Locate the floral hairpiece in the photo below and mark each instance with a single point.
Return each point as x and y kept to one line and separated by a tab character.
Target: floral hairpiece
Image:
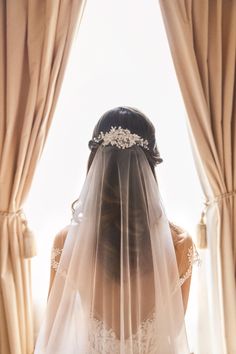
122	138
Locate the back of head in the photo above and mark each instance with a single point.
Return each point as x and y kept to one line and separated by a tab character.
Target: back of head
111	209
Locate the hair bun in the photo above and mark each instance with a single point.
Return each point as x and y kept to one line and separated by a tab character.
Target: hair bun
92	144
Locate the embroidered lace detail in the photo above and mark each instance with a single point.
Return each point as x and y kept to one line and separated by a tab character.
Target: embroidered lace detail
193	258
55	252
54	263
104	340
122	138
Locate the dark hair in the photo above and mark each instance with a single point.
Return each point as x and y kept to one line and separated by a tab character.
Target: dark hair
128	118
109	233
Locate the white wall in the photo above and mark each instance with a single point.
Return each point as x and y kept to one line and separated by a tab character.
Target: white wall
120	57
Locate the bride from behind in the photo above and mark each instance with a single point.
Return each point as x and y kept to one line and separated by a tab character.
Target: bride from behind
121	271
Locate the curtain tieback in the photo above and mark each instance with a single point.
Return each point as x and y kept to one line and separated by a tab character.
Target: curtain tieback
201	227
29	243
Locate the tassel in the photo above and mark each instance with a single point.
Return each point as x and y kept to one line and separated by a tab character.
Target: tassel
202	233
29	242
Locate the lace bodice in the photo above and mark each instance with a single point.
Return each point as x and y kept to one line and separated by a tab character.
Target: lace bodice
104	340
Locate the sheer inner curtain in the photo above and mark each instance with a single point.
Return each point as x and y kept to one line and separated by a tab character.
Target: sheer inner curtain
202	39
35	41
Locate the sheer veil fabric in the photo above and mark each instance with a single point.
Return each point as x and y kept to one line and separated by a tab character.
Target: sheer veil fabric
118	267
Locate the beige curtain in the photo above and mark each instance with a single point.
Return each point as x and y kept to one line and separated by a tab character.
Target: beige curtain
202	40
35	40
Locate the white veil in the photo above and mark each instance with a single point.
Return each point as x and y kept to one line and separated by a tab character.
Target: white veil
118	267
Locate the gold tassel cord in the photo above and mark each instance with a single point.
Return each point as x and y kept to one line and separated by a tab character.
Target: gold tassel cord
201	226
30	249
201	232
29	243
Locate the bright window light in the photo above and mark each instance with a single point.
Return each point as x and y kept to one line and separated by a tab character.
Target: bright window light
120	56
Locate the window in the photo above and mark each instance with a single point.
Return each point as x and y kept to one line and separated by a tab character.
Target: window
120	56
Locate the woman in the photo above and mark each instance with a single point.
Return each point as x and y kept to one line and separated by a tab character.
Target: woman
121	271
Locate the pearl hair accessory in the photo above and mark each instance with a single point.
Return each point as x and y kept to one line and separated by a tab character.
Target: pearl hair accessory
122	138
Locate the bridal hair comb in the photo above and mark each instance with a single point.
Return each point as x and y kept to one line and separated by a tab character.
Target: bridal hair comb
122	138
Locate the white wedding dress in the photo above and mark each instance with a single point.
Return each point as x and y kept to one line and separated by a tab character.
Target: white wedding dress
144	340
118	262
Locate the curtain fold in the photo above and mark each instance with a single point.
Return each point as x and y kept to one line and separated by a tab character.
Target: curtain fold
202	40
35	41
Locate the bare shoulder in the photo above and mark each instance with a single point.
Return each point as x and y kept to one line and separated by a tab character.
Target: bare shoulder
181	238
185	240
60	237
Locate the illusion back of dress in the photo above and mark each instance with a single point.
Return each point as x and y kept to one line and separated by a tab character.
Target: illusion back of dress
105	322
103	339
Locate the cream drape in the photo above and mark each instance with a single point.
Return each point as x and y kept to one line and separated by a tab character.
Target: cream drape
202	40
35	40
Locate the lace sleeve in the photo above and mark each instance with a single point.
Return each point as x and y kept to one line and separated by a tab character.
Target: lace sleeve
193	258
55	257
